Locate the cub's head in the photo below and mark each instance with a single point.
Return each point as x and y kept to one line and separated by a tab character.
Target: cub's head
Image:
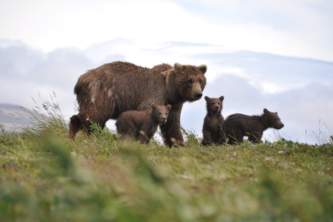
214	105
160	113
189	81
272	119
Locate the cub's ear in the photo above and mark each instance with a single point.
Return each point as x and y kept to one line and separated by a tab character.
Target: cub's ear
266	110
168	107
207	98
203	68
221	98
177	66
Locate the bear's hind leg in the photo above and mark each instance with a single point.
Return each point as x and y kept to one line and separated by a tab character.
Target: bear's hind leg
74	126
234	138
255	138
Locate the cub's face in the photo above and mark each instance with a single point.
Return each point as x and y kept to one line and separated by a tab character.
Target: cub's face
161	113
214	105
190	81
273	119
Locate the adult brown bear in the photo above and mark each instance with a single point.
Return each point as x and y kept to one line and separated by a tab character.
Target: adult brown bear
105	92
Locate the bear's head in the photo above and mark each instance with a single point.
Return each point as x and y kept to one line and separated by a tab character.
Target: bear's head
272	119
189	81
160	113
214	105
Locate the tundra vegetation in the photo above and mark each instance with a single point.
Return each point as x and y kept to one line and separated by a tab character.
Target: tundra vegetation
45	176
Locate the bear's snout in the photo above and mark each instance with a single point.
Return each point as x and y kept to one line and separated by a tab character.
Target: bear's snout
216	107
198	95
163	120
196	91
280	125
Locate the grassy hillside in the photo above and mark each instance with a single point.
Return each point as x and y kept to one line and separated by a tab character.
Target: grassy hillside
44	176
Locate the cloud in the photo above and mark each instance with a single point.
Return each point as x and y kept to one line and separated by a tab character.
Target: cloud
269	72
82	23
297	28
27	73
308	112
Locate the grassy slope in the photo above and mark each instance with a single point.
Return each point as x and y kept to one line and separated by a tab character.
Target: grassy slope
46	177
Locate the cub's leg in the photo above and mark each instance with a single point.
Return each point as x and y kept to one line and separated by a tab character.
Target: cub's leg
207	138
255	138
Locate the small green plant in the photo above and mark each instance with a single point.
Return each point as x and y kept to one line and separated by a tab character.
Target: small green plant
191	138
2	129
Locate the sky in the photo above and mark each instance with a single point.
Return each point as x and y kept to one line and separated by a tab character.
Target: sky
298	28
273	54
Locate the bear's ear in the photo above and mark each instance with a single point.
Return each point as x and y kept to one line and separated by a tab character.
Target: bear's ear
266	111
203	68
207	98
169	107
221	98
177	66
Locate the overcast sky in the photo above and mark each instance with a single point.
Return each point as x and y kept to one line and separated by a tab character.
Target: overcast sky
259	53
298	27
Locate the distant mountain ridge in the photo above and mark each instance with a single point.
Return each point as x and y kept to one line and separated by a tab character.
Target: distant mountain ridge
15	118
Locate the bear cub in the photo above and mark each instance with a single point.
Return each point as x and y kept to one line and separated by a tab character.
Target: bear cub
142	125
237	126
213	124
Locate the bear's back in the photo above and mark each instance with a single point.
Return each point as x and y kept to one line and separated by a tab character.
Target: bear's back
136	116
239	119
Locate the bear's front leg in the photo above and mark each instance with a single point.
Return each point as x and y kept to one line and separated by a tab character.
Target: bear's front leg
143	138
255	137
207	138
171	130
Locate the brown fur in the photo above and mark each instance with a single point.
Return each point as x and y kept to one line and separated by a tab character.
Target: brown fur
161	68
113	88
142	125
237	126
213	124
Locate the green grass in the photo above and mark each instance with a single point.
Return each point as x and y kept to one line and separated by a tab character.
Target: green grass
44	176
